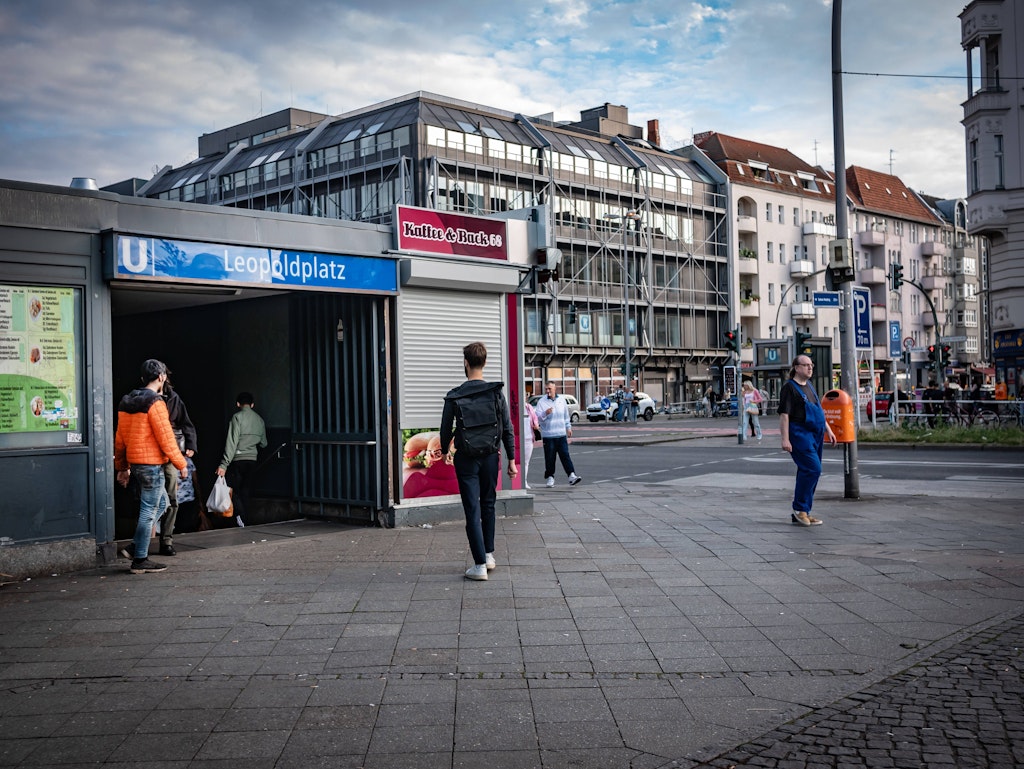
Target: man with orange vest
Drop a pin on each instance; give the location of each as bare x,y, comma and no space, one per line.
144,443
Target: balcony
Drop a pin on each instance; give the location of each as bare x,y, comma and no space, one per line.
820,228
749,309
747,266
746,224
802,310
933,248
881,353
988,100
877,313
872,237
927,320
801,268
872,276
932,282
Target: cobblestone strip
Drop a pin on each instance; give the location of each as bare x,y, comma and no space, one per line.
961,709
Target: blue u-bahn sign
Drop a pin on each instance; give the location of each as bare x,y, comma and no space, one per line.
183,261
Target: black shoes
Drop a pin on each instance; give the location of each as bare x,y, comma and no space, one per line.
168,550
146,567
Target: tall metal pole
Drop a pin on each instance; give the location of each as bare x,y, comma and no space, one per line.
625,305
847,340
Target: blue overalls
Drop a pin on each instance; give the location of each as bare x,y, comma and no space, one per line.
807,438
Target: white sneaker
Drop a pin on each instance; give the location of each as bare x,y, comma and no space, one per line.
491,563
574,479
477,571
527,486
550,482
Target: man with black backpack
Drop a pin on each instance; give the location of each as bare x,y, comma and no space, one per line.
476,416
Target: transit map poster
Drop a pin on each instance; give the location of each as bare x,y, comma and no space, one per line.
39,339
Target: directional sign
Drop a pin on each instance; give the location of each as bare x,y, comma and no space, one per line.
862,317
952,339
826,298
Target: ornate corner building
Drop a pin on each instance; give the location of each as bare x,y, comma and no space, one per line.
992,32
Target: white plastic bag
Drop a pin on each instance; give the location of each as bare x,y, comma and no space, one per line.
219,500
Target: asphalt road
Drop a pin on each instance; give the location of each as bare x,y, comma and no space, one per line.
711,447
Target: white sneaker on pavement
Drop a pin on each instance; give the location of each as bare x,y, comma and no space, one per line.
574,479
491,563
477,571
550,482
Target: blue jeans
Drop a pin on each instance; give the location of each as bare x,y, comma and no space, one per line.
152,502
478,481
557,447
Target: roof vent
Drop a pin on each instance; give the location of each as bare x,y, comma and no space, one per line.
83,183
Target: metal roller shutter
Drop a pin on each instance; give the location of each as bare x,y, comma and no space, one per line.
434,326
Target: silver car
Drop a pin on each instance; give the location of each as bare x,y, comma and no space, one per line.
570,401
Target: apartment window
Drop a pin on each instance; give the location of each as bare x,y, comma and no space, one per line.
796,217
782,214
771,293
974,165
782,293
824,255
1000,178
771,253
767,212
782,253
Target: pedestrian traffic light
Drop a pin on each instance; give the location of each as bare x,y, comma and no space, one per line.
803,343
732,342
572,315
931,353
945,354
896,278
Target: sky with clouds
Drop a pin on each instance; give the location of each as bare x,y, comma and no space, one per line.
114,89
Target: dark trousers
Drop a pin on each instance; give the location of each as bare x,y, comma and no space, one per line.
478,482
239,478
557,447
170,516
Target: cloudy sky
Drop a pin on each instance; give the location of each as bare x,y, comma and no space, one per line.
115,89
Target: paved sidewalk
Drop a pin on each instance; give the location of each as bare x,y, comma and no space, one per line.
677,624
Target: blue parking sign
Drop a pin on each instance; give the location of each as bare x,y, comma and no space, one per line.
894,339
862,317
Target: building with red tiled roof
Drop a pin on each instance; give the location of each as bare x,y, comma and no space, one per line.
784,218
784,221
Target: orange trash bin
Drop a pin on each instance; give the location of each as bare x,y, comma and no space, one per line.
838,408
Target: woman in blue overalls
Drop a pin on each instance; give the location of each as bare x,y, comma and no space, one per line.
804,429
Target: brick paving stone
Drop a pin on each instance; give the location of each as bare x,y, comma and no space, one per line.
927,723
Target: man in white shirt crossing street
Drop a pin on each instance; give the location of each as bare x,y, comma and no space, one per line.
555,430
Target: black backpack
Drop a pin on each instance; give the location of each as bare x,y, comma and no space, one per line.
478,423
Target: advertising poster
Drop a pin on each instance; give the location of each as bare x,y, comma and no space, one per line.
38,359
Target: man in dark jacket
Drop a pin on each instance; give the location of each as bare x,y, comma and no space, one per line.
478,475
185,434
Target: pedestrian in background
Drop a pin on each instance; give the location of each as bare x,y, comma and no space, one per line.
143,444
751,409
531,429
185,435
555,430
476,465
247,434
803,429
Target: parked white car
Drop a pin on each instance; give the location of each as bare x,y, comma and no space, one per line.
570,401
603,409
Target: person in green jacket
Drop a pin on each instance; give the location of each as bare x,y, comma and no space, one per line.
247,434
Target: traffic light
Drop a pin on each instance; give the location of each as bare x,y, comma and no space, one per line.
896,279
572,315
803,343
732,342
945,354
931,353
